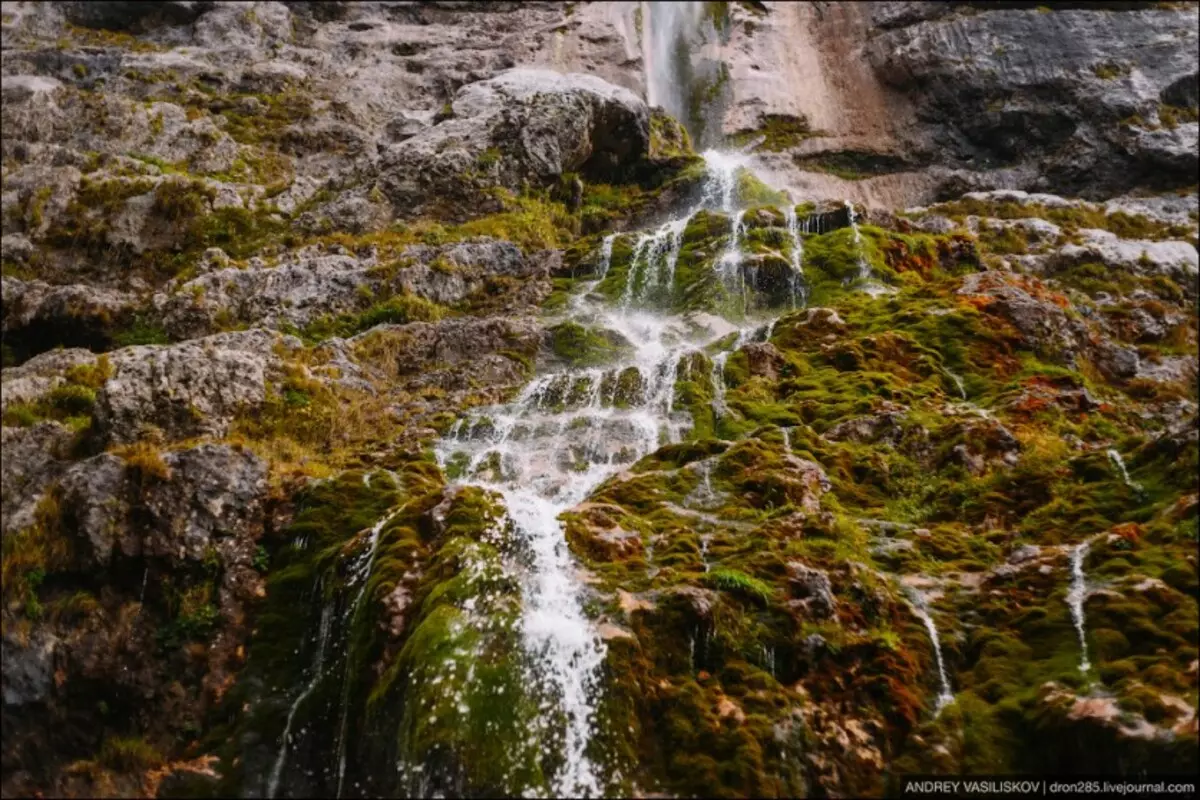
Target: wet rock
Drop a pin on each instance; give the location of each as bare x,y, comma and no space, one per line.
1042,322
30,464
805,482
885,428
119,16
97,491
700,601
812,589
205,494
1177,260
763,360
38,316
978,97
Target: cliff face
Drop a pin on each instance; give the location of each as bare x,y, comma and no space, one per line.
921,101
393,402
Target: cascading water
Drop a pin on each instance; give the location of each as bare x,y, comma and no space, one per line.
958,383
864,269
1119,463
359,574
796,280
566,432
945,695
317,674
673,29
1075,599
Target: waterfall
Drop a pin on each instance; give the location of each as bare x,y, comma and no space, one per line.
565,433
313,681
795,280
787,439
945,695
684,69
1075,599
864,269
654,257
606,248
673,28
360,573
962,391
1119,463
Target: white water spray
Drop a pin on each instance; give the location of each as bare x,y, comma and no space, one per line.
1075,600
564,434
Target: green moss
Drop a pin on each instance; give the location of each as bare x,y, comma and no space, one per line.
852,165
736,582
777,132
395,310
583,347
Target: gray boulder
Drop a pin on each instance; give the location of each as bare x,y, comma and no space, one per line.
189,389
523,125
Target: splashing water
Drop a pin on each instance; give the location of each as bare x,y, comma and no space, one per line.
565,433
864,269
313,681
1075,600
945,695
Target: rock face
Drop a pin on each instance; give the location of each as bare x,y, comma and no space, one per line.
309,285
192,388
1075,98
290,288
523,125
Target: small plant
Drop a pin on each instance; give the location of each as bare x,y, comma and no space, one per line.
738,582
128,754
145,463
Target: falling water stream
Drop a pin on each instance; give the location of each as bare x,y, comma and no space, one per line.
919,607
1119,463
313,681
1075,600
545,451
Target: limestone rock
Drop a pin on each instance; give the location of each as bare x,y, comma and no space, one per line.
192,388
522,125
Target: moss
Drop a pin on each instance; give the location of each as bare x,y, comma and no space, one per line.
777,132
1110,70
732,580
72,401
139,331
395,310
583,347
668,139
32,553
853,165
128,754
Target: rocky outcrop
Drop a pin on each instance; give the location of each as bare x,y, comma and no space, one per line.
523,125
310,284
192,388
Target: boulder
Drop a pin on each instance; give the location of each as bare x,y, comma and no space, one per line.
189,389
524,125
